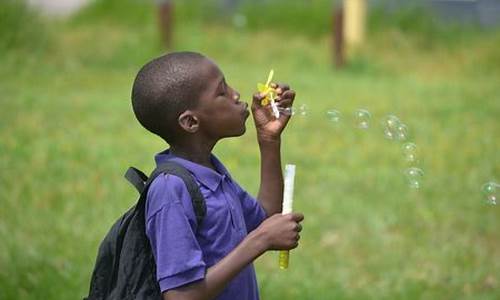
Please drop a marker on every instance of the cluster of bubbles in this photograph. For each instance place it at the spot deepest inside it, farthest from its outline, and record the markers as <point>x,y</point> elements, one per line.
<point>393,129</point>
<point>396,130</point>
<point>362,118</point>
<point>490,191</point>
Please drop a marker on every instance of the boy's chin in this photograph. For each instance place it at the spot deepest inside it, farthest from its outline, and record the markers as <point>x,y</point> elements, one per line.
<point>236,133</point>
<point>241,132</point>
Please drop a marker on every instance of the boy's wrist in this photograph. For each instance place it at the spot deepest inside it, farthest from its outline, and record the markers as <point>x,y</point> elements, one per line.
<point>258,240</point>
<point>268,140</point>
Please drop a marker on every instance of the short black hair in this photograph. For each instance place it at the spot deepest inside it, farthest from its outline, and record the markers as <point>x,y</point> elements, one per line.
<point>163,89</point>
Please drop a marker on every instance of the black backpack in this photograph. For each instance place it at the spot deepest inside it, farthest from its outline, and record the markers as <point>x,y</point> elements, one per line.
<point>125,267</point>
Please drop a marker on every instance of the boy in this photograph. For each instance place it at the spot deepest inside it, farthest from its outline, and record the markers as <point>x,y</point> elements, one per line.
<point>184,98</point>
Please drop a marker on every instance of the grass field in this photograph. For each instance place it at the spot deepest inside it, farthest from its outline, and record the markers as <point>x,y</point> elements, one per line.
<point>67,134</point>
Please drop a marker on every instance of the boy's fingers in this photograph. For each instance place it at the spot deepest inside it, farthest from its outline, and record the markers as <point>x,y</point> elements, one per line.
<point>283,87</point>
<point>297,217</point>
<point>289,94</point>
<point>285,103</point>
<point>257,96</point>
<point>280,87</point>
<point>256,99</point>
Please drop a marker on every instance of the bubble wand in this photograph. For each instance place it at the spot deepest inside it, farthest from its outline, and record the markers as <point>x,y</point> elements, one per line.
<point>269,94</point>
<point>287,208</point>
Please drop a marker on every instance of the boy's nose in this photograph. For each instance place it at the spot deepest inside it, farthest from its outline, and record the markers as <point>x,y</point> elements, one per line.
<point>236,96</point>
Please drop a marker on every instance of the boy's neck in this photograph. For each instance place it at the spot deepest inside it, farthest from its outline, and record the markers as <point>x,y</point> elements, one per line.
<point>199,154</point>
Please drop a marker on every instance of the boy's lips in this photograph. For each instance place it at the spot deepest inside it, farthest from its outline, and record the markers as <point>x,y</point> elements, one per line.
<point>246,112</point>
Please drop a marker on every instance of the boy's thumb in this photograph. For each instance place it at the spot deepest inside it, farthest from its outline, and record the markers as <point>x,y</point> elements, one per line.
<point>297,217</point>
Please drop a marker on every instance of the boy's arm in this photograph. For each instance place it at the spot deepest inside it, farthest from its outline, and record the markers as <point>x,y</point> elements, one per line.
<point>269,137</point>
<point>271,178</point>
<point>279,232</point>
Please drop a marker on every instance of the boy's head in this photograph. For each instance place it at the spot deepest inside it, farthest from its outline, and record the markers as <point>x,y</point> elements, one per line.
<point>183,94</point>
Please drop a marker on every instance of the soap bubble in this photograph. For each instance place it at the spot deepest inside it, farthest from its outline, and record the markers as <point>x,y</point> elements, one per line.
<point>394,129</point>
<point>390,124</point>
<point>490,191</point>
<point>414,176</point>
<point>410,152</point>
<point>401,132</point>
<point>362,118</point>
<point>333,115</point>
<point>301,110</point>
<point>389,134</point>
<point>391,121</point>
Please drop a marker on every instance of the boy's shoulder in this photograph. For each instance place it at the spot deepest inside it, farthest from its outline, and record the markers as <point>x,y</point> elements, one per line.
<point>167,190</point>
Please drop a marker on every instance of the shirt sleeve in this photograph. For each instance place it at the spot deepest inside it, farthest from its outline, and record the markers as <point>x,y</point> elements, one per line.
<point>253,212</point>
<point>171,227</point>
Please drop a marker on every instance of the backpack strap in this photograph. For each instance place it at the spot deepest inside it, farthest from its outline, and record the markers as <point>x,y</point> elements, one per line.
<point>137,178</point>
<point>141,182</point>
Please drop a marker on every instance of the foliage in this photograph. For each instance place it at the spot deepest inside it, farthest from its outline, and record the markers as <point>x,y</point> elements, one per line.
<point>21,28</point>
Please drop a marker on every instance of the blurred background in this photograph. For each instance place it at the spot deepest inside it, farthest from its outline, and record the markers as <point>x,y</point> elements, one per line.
<point>67,134</point>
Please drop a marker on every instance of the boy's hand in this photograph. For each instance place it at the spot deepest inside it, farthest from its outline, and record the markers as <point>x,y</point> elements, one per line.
<point>268,127</point>
<point>281,232</point>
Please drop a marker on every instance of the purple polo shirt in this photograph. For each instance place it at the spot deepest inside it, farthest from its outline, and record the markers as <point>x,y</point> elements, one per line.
<point>184,250</point>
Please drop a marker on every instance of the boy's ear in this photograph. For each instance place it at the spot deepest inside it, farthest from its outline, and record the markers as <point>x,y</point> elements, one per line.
<point>188,121</point>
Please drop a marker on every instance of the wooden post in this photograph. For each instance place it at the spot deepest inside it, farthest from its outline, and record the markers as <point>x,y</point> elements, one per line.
<point>338,36</point>
<point>166,22</point>
<point>354,22</point>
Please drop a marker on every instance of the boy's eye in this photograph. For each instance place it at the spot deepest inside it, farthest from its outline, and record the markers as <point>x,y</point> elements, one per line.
<point>223,91</point>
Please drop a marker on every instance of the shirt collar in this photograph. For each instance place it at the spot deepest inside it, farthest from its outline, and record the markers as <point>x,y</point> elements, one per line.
<point>206,176</point>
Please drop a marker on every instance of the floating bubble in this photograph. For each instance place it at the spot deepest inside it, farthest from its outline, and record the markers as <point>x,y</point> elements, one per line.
<point>414,176</point>
<point>333,115</point>
<point>394,129</point>
<point>410,152</point>
<point>490,191</point>
<point>362,118</point>
<point>301,110</point>
<point>390,124</point>
<point>389,134</point>
<point>391,121</point>
<point>401,132</point>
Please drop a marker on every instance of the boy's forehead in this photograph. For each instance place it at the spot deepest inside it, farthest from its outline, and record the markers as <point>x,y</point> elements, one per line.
<point>209,70</point>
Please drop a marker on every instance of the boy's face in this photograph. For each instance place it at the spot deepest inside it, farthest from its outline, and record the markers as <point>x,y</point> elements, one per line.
<point>219,111</point>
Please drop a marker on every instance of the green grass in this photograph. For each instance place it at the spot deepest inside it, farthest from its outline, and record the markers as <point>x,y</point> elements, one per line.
<point>67,134</point>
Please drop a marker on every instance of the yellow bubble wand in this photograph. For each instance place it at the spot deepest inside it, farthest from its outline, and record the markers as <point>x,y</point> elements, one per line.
<point>269,94</point>
<point>287,208</point>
